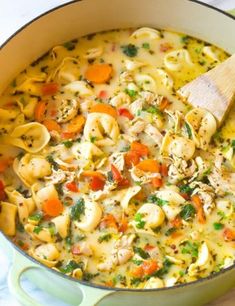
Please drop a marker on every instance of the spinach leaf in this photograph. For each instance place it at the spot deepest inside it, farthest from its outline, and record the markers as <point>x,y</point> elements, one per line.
<point>139,222</point>
<point>77,210</point>
<point>105,237</point>
<point>187,212</point>
<point>130,50</point>
<point>154,199</point>
<point>72,265</point>
<point>141,252</point>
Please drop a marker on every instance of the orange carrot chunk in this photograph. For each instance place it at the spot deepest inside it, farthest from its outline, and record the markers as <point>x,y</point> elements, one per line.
<point>40,110</point>
<point>198,204</point>
<point>99,73</point>
<point>157,182</point>
<point>116,173</point>
<point>164,170</point>
<point>229,234</point>
<point>51,125</point>
<point>150,266</point>
<point>72,186</point>
<point>164,104</point>
<point>139,148</point>
<point>125,113</point>
<point>149,165</point>
<point>53,207</point>
<point>104,108</point>
<point>123,225</point>
<point>108,221</point>
<point>49,89</point>
<point>96,184</point>
<point>76,124</point>
<point>131,159</point>
<point>90,173</point>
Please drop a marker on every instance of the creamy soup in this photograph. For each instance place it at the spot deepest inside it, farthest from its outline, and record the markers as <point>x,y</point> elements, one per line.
<point>105,174</point>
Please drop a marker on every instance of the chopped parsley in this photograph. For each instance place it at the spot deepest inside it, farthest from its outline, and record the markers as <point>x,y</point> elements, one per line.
<point>218,226</point>
<point>131,92</point>
<point>130,50</point>
<point>141,252</point>
<point>68,143</point>
<point>20,227</point>
<point>105,237</point>
<point>188,129</point>
<point>146,46</point>
<point>170,231</point>
<point>88,276</point>
<point>72,265</point>
<point>119,279</point>
<point>154,199</point>
<point>164,270</point>
<point>233,144</point>
<point>38,229</point>
<point>137,262</point>
<point>110,176</point>
<point>153,110</point>
<point>59,188</point>
<point>77,210</point>
<point>190,248</point>
<point>139,222</point>
<point>51,160</point>
<point>93,139</point>
<point>36,217</point>
<point>184,39</point>
<point>187,212</point>
<point>135,281</point>
<point>186,189</point>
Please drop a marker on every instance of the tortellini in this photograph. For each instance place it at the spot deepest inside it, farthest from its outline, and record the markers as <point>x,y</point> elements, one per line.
<point>8,218</point>
<point>175,60</point>
<point>133,64</point>
<point>32,85</point>
<point>98,126</point>
<point>67,110</point>
<point>67,70</point>
<point>32,137</point>
<point>80,87</point>
<point>43,234</point>
<point>146,32</point>
<point>203,126</point>
<point>91,217</point>
<point>28,108</point>
<point>30,168</point>
<point>165,79</point>
<point>180,147</point>
<point>41,194</point>
<point>47,254</point>
<point>62,224</point>
<point>146,82</point>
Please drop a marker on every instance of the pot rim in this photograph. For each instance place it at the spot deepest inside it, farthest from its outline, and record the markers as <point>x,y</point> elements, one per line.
<point>89,284</point>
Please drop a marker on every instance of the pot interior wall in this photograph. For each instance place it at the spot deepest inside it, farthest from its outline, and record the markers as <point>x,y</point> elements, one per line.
<point>83,17</point>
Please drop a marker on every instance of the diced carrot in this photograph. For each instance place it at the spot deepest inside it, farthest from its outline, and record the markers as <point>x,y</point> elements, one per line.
<point>53,207</point>
<point>104,108</point>
<point>72,186</point>
<point>199,207</point>
<point>108,221</point>
<point>150,266</point>
<point>76,124</point>
<point>49,89</point>
<point>149,247</point>
<point>185,195</point>
<point>229,234</point>
<point>66,135</point>
<point>149,165</point>
<point>176,234</point>
<point>176,222</point>
<point>75,250</point>
<point>139,148</point>
<point>164,104</point>
<point>165,47</point>
<point>40,110</point>
<point>109,283</point>
<point>125,113</point>
<point>157,182</point>
<point>90,173</point>
<point>5,163</point>
<point>3,195</point>
<point>124,182</point>
<point>123,225</point>
<point>103,94</point>
<point>138,271</point>
<point>116,173</point>
<point>51,125</point>
<point>140,196</point>
<point>99,73</point>
<point>23,245</point>
<point>96,184</point>
<point>131,159</point>
<point>164,170</point>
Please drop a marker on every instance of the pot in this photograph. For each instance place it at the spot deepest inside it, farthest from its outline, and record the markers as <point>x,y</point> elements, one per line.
<point>70,21</point>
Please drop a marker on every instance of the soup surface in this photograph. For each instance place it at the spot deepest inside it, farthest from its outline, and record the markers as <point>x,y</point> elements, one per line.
<point>105,174</point>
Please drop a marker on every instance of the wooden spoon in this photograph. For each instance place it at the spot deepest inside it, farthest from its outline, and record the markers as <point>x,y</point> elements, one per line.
<point>213,90</point>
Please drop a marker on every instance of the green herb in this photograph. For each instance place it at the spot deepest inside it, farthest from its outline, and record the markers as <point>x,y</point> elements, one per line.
<point>186,189</point>
<point>207,172</point>
<point>187,212</point>
<point>190,248</point>
<point>218,226</point>
<point>181,273</point>
<point>72,265</point>
<point>189,131</point>
<point>165,269</point>
<point>139,222</point>
<point>36,217</point>
<point>68,241</point>
<point>119,279</point>
<point>154,199</point>
<point>77,210</point>
<point>93,139</point>
<point>154,110</point>
<point>88,276</point>
<point>138,112</point>
<point>69,45</point>
<point>135,281</point>
<point>125,149</point>
<point>146,46</point>
<point>130,50</point>
<point>59,188</point>
<point>170,231</point>
<point>110,176</point>
<point>233,144</point>
<point>52,230</point>
<point>131,92</point>
<point>221,214</point>
<point>51,160</point>
<point>38,229</point>
<point>20,227</point>
<point>141,252</point>
<point>68,143</point>
<point>184,39</point>
<point>105,237</point>
<point>80,238</point>
<point>20,243</point>
<point>137,262</point>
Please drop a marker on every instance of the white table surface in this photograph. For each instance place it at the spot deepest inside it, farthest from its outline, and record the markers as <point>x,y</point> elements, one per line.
<point>14,14</point>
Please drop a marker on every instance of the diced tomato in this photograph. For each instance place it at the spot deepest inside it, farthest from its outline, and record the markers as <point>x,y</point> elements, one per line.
<point>125,113</point>
<point>108,221</point>
<point>185,195</point>
<point>139,148</point>
<point>124,182</point>
<point>103,94</point>
<point>157,182</point>
<point>75,249</point>
<point>2,192</point>
<point>116,174</point>
<point>72,186</point>
<point>150,266</point>
<point>49,89</point>
<point>96,183</point>
<point>164,170</point>
<point>149,247</point>
<point>176,222</point>
<point>131,159</point>
<point>66,135</point>
<point>229,234</point>
<point>140,196</point>
<point>123,225</point>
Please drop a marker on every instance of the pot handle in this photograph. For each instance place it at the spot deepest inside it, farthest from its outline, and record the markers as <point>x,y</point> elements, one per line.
<point>92,296</point>
<point>19,266</point>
